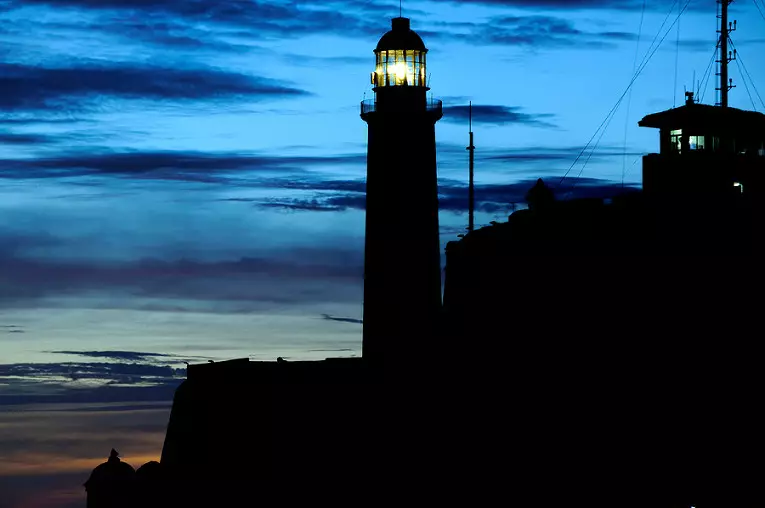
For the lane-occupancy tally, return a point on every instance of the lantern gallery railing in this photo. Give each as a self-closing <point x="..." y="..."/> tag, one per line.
<point x="431" y="106"/>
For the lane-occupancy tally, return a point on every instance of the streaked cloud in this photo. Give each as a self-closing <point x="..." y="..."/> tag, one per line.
<point x="497" y="115"/>
<point x="342" y="319"/>
<point x="26" y="87"/>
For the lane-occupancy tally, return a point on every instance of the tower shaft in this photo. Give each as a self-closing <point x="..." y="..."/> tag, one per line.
<point x="402" y="261"/>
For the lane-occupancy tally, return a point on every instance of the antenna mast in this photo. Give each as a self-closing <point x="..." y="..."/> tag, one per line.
<point x="400" y="8"/>
<point x="726" y="27"/>
<point x="471" y="187"/>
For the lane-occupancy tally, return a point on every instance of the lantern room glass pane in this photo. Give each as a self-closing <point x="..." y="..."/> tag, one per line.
<point x="399" y="67"/>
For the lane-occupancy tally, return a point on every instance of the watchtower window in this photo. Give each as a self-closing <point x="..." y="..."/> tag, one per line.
<point x="676" y="141"/>
<point x="696" y="142"/>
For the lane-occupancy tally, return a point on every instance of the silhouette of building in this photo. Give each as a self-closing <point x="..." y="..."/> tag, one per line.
<point x="706" y="152"/>
<point x="402" y="261"/>
<point x="630" y="320"/>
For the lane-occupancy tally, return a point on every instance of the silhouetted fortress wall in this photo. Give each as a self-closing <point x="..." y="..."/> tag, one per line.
<point x="592" y="353"/>
<point x="245" y="431"/>
<point x="629" y="330"/>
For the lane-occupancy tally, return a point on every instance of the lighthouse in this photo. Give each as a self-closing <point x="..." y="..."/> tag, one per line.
<point x="402" y="259"/>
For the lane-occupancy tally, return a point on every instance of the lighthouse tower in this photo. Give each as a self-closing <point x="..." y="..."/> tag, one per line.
<point x="402" y="263"/>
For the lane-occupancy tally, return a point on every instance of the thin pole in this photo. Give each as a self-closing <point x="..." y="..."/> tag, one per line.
<point x="471" y="186"/>
<point x="400" y="8"/>
<point x="677" y="61"/>
<point x="724" y="55"/>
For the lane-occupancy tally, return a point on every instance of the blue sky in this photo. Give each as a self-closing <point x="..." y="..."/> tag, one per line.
<point x="183" y="180"/>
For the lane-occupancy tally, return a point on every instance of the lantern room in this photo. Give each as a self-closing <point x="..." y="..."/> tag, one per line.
<point x="400" y="58"/>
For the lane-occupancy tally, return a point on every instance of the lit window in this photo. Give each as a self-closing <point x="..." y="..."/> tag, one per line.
<point x="676" y="141"/>
<point x="401" y="67"/>
<point x="696" y="142"/>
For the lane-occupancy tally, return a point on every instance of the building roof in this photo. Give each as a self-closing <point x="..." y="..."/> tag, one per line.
<point x="703" y="115"/>
<point x="401" y="37"/>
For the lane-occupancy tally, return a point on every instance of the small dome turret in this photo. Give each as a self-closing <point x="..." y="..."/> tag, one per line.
<point x="111" y="484"/>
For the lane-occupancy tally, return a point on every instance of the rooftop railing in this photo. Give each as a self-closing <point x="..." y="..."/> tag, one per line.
<point x="431" y="105"/>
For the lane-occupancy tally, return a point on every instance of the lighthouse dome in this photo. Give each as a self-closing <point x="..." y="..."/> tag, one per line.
<point x="401" y="37"/>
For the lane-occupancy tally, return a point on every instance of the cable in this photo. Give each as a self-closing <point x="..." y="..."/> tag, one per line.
<point x="629" y="86"/>
<point x="707" y="74"/>
<point x="609" y="117"/>
<point x="743" y="78"/>
<point x="607" y="122"/>
<point x="756" y="4"/>
<point x="738" y="56"/>
<point x="629" y="99"/>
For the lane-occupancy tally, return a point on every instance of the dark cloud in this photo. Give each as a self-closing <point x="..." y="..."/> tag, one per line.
<point x="535" y="31"/>
<point x="453" y="195"/>
<point x="123" y="373"/>
<point x="28" y="383"/>
<point x="115" y="355"/>
<point x="567" y="4"/>
<point x="546" y="154"/>
<point x="27" y="87"/>
<point x="342" y="319"/>
<point x="497" y="115"/>
<point x="12" y="138"/>
<point x="330" y="203"/>
<point x="256" y="17"/>
<point x="304" y="275"/>
<point x="35" y="391"/>
<point x="502" y="198"/>
<point x="184" y="166"/>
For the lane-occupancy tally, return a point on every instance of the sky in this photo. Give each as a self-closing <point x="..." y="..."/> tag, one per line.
<point x="184" y="180"/>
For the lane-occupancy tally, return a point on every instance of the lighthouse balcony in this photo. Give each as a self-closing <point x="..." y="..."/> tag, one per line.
<point x="432" y="106"/>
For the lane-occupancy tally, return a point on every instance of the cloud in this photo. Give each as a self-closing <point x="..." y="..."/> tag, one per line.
<point x="492" y="198"/>
<point x="537" y="31"/>
<point x="331" y="203"/>
<point x="262" y="18"/>
<point x="566" y="4"/>
<point x="25" y="87"/>
<point x="121" y="373"/>
<point x="193" y="166"/>
<point x="497" y="115"/>
<point x="116" y="355"/>
<point x="332" y="274"/>
<point x="342" y="319"/>
<point x="12" y="138"/>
